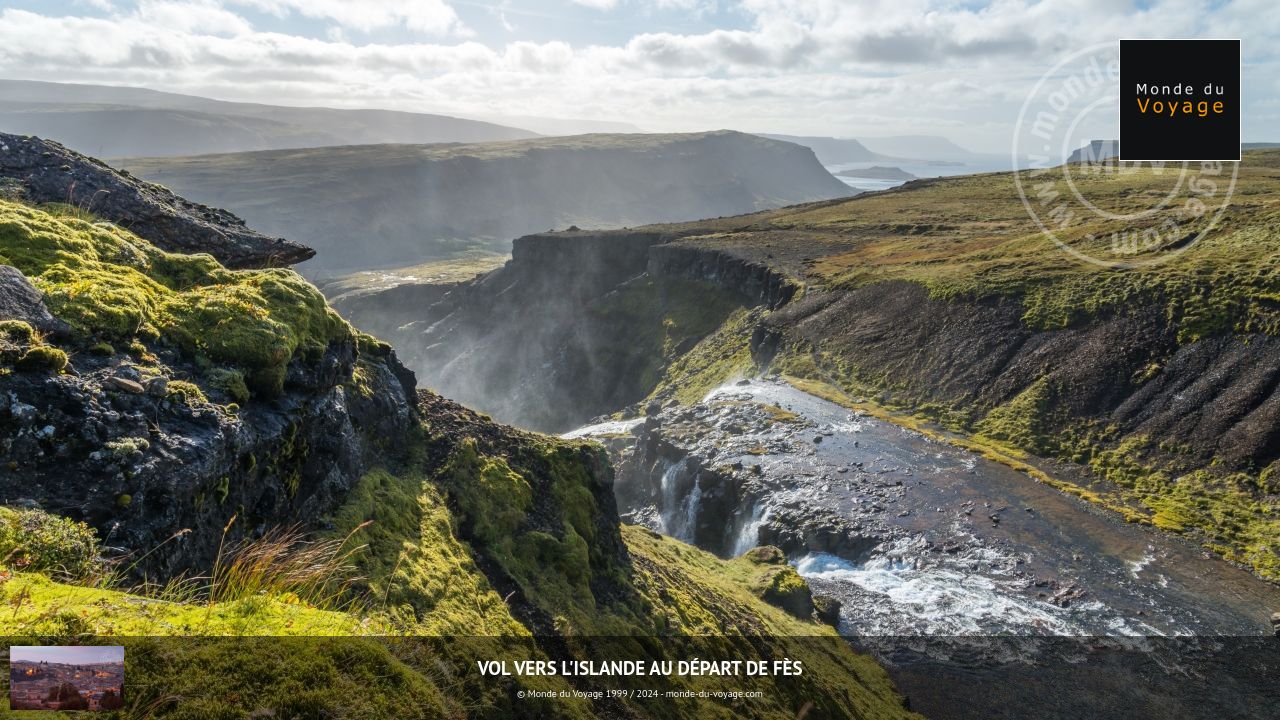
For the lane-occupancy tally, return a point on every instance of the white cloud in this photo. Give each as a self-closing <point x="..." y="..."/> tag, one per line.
<point x="426" y="16"/>
<point x="192" y="16"/>
<point x="597" y="4"/>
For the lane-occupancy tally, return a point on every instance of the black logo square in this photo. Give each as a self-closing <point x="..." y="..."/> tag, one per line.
<point x="1180" y="100"/>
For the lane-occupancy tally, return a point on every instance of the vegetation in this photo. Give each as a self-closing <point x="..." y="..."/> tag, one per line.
<point x="39" y="542"/>
<point x="112" y="286"/>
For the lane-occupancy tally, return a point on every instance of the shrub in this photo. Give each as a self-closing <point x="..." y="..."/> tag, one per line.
<point x="41" y="542"/>
<point x="42" y="358"/>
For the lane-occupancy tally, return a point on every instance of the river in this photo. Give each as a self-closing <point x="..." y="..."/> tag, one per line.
<point x="933" y="542"/>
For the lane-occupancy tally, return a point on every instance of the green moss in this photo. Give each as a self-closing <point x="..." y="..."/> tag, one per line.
<point x="783" y="587"/>
<point x="370" y="345"/>
<point x="185" y="392"/>
<point x="42" y="358"/>
<point x="1023" y="420"/>
<point x="231" y="382"/>
<point x="102" y="349"/>
<point x="18" y="331"/>
<point x="128" y="447"/>
<point x="111" y="285"/>
<point x="37" y="541"/>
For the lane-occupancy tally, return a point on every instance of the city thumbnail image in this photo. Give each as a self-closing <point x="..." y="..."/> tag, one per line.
<point x="66" y="678"/>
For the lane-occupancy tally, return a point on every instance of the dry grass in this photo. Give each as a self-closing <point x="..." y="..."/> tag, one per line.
<point x="284" y="563"/>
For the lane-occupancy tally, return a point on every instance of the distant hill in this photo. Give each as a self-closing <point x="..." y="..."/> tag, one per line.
<point x="832" y="151"/>
<point x="108" y="121"/>
<point x="1096" y="151"/>
<point x="920" y="147"/>
<point x="380" y="206"/>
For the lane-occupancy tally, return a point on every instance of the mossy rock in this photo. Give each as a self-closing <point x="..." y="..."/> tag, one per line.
<point x="112" y="286"/>
<point x="784" y="588"/>
<point x="42" y="358"/>
<point x="766" y="555"/>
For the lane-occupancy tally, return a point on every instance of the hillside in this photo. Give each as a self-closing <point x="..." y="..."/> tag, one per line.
<point x="108" y="121"/>
<point x="197" y="455"/>
<point x="365" y="207"/>
<point x="1150" y="391"/>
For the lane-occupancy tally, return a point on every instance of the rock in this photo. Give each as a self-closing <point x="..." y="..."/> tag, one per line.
<point x="150" y="211"/>
<point x="766" y="555"/>
<point x="1275" y="623"/>
<point x="124" y="384"/>
<point x="827" y="609"/>
<point x="157" y="386"/>
<point x="20" y="300"/>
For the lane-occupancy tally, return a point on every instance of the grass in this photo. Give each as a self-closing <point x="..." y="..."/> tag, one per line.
<point x="969" y="238"/>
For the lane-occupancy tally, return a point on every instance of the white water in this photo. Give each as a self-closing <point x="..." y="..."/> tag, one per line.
<point x="936" y="601"/>
<point x="670" y="501"/>
<point x="612" y="427"/>
<point x="749" y="535"/>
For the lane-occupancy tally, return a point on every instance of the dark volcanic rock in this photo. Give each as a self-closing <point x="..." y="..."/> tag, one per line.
<point x="142" y="466"/>
<point x="48" y="172"/>
<point x="20" y="300"/>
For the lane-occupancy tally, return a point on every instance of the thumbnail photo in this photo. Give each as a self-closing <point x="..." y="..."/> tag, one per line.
<point x="66" y="677"/>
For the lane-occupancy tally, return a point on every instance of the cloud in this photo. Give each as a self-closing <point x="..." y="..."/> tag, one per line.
<point x="426" y="16"/>
<point x="801" y="66"/>
<point x="192" y="16"/>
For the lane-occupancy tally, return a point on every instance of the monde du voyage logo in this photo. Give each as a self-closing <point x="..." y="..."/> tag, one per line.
<point x="1162" y="186"/>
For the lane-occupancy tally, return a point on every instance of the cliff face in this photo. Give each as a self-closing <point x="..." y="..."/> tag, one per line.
<point x="389" y="205"/>
<point x="576" y="324"/>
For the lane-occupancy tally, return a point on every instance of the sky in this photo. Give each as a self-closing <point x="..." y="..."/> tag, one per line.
<point x="70" y="655"/>
<point x="843" y="68"/>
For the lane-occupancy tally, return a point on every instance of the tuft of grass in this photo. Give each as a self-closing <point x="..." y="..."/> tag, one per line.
<point x="283" y="563"/>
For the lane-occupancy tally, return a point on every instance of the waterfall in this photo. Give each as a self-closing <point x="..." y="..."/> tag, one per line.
<point x="670" y="491"/>
<point x="688" y="528"/>
<point x="749" y="534"/>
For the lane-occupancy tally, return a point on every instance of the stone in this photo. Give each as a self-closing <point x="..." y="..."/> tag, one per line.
<point x="20" y="300"/>
<point x="157" y="386"/>
<point x="124" y="384"/>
